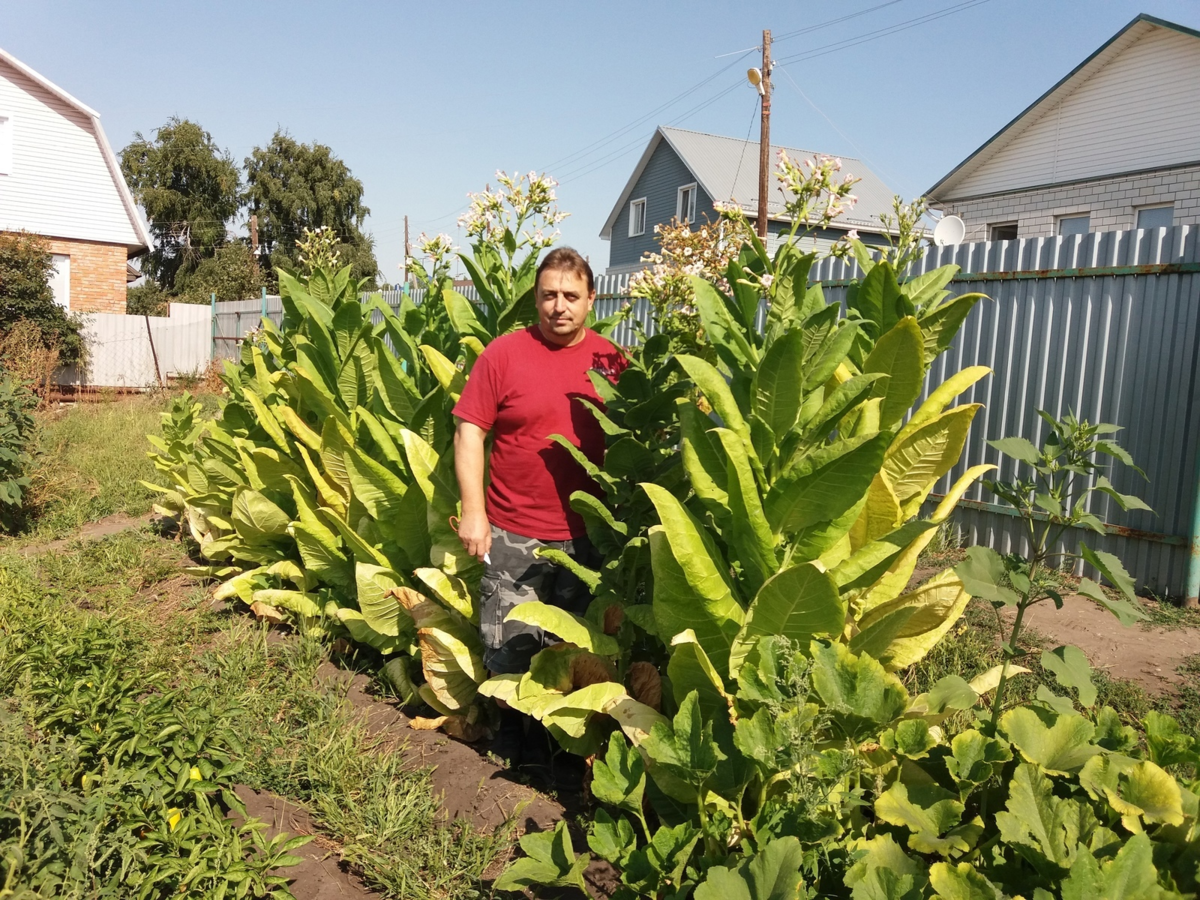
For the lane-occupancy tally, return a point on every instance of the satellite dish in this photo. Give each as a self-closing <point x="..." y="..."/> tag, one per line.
<point x="949" y="232"/>
<point x="754" y="76"/>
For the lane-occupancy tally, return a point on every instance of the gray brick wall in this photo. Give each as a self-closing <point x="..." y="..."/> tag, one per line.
<point x="1112" y="203"/>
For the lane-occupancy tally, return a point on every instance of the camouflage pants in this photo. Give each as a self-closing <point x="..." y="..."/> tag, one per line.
<point x="516" y="576"/>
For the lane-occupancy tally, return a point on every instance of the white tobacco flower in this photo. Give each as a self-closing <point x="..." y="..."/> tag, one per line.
<point x="852" y="234"/>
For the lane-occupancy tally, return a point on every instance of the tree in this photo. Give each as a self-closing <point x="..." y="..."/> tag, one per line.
<point x="232" y="274"/>
<point x="25" y="295"/>
<point x="293" y="186"/>
<point x="189" y="188"/>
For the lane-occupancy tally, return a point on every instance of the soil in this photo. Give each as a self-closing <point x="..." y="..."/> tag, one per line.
<point x="1146" y="655"/>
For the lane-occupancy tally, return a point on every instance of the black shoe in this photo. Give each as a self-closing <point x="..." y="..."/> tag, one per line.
<point x="509" y="742"/>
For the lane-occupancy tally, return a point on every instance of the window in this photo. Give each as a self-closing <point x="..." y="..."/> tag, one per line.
<point x="1002" y="231"/>
<point x="1156" y="216"/>
<point x="1079" y="224"/>
<point x="6" y="144"/>
<point x="637" y="217"/>
<point x="685" y="208"/>
<point x="60" y="280"/>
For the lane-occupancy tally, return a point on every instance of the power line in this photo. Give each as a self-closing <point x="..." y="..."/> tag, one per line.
<point x="881" y="32"/>
<point x="787" y="35"/>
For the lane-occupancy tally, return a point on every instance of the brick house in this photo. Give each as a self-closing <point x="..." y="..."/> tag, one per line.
<point x="59" y="178"/>
<point x="1114" y="145"/>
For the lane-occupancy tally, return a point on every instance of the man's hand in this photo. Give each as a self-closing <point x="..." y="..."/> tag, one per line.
<point x="475" y="534"/>
<point x="473" y="528"/>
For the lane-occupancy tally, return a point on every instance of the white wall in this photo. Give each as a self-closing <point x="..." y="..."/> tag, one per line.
<point x="59" y="184"/>
<point x="119" y="347"/>
<point x="1137" y="112"/>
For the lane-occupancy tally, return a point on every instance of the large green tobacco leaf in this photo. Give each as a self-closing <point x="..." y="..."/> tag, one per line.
<point x="377" y="598"/>
<point x="549" y="860"/>
<point x="702" y="458"/>
<point x="726" y="335"/>
<point x="898" y="354"/>
<point x="716" y="390"/>
<point x="932" y="816"/>
<point x="935" y="404"/>
<point x="825" y="484"/>
<point x="860" y="696"/>
<point x="690" y="586"/>
<point x="257" y="519"/>
<point x="941" y="325"/>
<point x="748" y="532"/>
<point x="320" y="550"/>
<point x="567" y="626"/>
<point x="771" y="874"/>
<point x="691" y="671"/>
<point x="915" y="462"/>
<point x="799" y="603"/>
<point x="1045" y="828"/>
<point x="1060" y="747"/>
<point x="913" y="623"/>
<point x="452" y="591"/>
<point x="779" y="383"/>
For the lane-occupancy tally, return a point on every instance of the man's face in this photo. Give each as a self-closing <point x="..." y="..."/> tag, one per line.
<point x="563" y="304"/>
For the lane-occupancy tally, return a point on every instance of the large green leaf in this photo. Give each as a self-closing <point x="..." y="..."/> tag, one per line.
<point x="779" y="383"/>
<point x="716" y="390"/>
<point x="885" y="872"/>
<point x="941" y="325"/>
<point x="377" y="599"/>
<point x="256" y="519"/>
<point x="702" y="458"/>
<point x="620" y="777"/>
<point x="1044" y="827"/>
<point x="748" y="533"/>
<point x="1060" y="747"/>
<point x="1071" y="670"/>
<point x="915" y="463"/>
<point x="825" y="484"/>
<point x="930" y="813"/>
<point x="1129" y="875"/>
<point x="771" y="874"/>
<point x="452" y="591"/>
<point x="799" y="603"/>
<point x="860" y="696"/>
<point x="549" y="860"/>
<point x="961" y="882"/>
<point x="567" y="626"/>
<point x="725" y="334"/>
<point x="898" y="354"/>
<point x="319" y="547"/>
<point x="690" y="670"/>
<point x="690" y="586"/>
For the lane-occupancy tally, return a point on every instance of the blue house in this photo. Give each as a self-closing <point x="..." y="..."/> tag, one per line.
<point x="682" y="172"/>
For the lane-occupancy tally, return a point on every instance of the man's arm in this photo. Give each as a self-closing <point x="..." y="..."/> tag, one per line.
<point x="473" y="528"/>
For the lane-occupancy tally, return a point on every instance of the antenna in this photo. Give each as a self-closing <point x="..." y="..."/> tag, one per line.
<point x="949" y="232"/>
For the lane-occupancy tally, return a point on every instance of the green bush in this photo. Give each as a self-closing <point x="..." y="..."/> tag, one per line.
<point x="25" y="267"/>
<point x="17" y="426"/>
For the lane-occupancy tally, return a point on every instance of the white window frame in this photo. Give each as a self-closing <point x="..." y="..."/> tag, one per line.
<point x="60" y="281"/>
<point x="633" y="205"/>
<point x="1058" y="221"/>
<point x="686" y="215"/>
<point x="1137" y="213"/>
<point x="6" y="142"/>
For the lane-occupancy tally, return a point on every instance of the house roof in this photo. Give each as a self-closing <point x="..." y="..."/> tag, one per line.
<point x="1132" y="32"/>
<point x="727" y="169"/>
<point x="110" y="159"/>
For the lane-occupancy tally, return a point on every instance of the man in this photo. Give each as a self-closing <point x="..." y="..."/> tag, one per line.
<point x="523" y="389"/>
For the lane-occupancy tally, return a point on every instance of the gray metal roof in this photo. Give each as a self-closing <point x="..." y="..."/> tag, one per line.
<point x="727" y="169"/>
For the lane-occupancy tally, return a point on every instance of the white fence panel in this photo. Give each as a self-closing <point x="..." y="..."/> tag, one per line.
<point x="122" y="349"/>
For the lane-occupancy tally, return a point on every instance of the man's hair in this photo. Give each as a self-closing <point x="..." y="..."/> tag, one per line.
<point x="566" y="259"/>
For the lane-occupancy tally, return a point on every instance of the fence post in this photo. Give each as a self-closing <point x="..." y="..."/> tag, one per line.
<point x="212" y="305"/>
<point x="264" y="303"/>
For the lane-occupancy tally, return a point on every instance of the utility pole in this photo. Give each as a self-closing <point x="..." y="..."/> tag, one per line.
<point x="764" y="145"/>
<point x="254" y="234"/>
<point x="407" y="250"/>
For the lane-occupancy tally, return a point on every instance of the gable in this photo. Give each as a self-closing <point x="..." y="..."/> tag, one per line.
<point x="1131" y="107"/>
<point x="64" y="180"/>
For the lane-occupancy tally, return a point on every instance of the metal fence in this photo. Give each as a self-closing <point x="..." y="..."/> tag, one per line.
<point x="1106" y="326"/>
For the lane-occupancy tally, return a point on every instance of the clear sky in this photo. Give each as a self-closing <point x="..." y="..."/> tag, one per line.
<point x="424" y="101"/>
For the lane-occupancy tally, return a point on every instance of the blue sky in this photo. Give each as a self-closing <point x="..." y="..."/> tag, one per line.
<point x="424" y="101"/>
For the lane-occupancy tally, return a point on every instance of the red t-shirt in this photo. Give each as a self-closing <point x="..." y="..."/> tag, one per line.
<point x="522" y="389"/>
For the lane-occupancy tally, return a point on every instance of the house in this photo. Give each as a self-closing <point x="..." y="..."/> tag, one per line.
<point x="59" y="178"/>
<point x="681" y="173"/>
<point x="1114" y="145"/>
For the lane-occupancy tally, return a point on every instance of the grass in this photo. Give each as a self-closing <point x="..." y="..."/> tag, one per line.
<point x="298" y="735"/>
<point x="89" y="460"/>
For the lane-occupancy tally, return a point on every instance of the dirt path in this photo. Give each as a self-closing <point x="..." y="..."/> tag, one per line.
<point x="101" y="528"/>
<point x="1147" y="656"/>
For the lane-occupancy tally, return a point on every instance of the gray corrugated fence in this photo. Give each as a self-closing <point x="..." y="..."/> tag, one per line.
<point x="1106" y="326"/>
<point x="1103" y="325"/>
